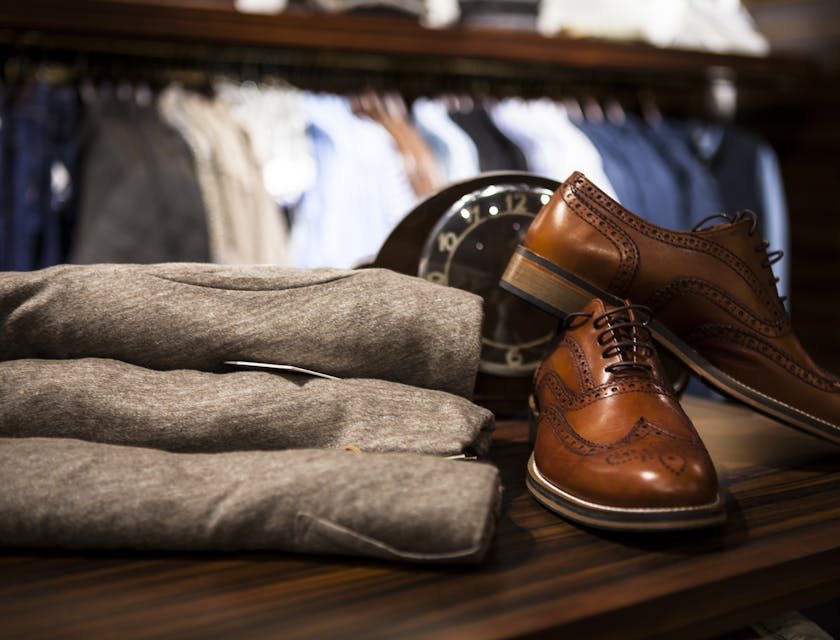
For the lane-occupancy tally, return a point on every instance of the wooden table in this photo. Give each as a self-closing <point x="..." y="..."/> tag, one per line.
<point x="543" y="577"/>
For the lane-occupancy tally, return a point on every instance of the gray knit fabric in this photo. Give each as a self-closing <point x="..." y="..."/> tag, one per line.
<point x="104" y="355"/>
<point x="363" y="324"/>
<point x="182" y="410"/>
<point x="69" y="493"/>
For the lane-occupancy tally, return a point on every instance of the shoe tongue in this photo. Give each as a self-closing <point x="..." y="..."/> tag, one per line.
<point x="631" y="312"/>
<point x="595" y="306"/>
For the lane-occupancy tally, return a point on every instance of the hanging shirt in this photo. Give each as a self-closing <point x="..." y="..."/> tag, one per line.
<point x="699" y="190"/>
<point x="452" y="146"/>
<point x="553" y="146"/>
<point x="618" y="165"/>
<point x="660" y="191"/>
<point x="496" y="152"/>
<point x="276" y="125"/>
<point x="244" y="225"/>
<point x="748" y="176"/>
<point x="361" y="191"/>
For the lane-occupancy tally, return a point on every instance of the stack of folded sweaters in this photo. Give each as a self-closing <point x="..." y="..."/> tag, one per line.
<point x="121" y="426"/>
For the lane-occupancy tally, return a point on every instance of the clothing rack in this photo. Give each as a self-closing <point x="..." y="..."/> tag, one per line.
<point x="158" y="63"/>
<point x="343" y="53"/>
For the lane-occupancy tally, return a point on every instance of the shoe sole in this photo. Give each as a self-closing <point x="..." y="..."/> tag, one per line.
<point x="560" y="292"/>
<point x="601" y="516"/>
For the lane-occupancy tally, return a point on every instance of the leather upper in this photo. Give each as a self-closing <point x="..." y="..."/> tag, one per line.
<point x="714" y="288"/>
<point x="616" y="435"/>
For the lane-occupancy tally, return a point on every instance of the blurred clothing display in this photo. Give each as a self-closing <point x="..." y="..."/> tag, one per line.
<point x="720" y="26"/>
<point x="434" y="14"/>
<point x="250" y="173"/>
<point x="243" y="223"/>
<point x="275" y="122"/>
<point x="500" y="14"/>
<point x="362" y="190"/>
<point x="552" y="144"/>
<point x="452" y="145"/>
<point x="496" y="152"/>
<point x="747" y="173"/>
<point x="138" y="181"/>
<point x="38" y="130"/>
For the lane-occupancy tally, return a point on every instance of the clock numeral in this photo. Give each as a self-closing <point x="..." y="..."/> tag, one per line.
<point x="437" y="277"/>
<point x="447" y="241"/>
<point x="515" y="203"/>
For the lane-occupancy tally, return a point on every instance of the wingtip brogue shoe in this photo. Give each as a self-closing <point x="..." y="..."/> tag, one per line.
<point x="711" y="290"/>
<point x="614" y="449"/>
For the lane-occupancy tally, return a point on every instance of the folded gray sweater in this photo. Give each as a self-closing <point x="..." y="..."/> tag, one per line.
<point x="73" y="494"/>
<point x="182" y="410"/>
<point x="371" y="323"/>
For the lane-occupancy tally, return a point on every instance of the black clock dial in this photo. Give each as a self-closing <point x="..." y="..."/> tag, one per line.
<point x="469" y="248"/>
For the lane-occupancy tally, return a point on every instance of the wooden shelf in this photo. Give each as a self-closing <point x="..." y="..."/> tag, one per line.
<point x="219" y="24"/>
<point x="543" y="577"/>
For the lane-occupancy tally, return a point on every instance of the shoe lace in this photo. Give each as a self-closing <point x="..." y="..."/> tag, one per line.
<point x="771" y="257"/>
<point x="624" y="335"/>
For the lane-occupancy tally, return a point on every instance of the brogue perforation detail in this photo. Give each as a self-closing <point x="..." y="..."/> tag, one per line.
<point x="673" y="462"/>
<point x="581" y="365"/>
<point x="558" y="389"/>
<point x="720" y="298"/>
<point x="584" y="189"/>
<point x="570" y="401"/>
<point x="627" y="250"/>
<point x="819" y="379"/>
<point x="626" y="449"/>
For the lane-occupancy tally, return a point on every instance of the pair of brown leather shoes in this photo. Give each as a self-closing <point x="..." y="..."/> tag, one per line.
<point x="614" y="448"/>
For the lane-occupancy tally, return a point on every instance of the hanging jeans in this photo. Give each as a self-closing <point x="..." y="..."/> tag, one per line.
<point x="41" y="162"/>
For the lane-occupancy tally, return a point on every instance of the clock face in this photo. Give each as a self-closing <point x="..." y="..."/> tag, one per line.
<point x="469" y="248"/>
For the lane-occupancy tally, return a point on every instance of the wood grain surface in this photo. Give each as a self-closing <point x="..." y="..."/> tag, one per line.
<point x="543" y="577"/>
<point x="219" y="23"/>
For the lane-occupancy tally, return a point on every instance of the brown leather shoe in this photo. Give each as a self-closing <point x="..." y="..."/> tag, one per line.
<point x="614" y="449"/>
<point x="711" y="290"/>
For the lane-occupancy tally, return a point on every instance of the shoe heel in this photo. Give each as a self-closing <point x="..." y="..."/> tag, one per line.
<point x="547" y="289"/>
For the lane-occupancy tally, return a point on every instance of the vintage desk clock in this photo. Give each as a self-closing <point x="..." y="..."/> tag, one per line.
<point x="463" y="236"/>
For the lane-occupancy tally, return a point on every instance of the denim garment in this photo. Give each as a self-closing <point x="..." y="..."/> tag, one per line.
<point x="5" y="190"/>
<point x="30" y="179"/>
<point x="42" y="162"/>
<point x="64" y="148"/>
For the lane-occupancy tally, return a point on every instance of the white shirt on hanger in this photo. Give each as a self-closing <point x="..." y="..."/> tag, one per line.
<point x="361" y="191"/>
<point x="453" y="148"/>
<point x="553" y="146"/>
